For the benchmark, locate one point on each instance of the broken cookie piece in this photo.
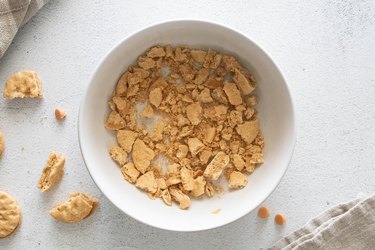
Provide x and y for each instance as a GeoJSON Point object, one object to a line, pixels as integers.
{"type": "Point", "coordinates": [156, 52]}
{"type": "Point", "coordinates": [147, 182]}
{"type": "Point", "coordinates": [126, 139]}
{"type": "Point", "coordinates": [23, 84]}
{"type": "Point", "coordinates": [155, 97]}
{"type": "Point", "coordinates": [242, 82]}
{"type": "Point", "coordinates": [232, 93]}
{"type": "Point", "coordinates": [237, 180]}
{"type": "Point", "coordinates": [129, 172]}
{"type": "Point", "coordinates": [199, 186]}
{"type": "Point", "coordinates": [142, 155]}
{"type": "Point", "coordinates": [182, 151]}
{"type": "Point", "coordinates": [195, 146]}
{"type": "Point", "coordinates": [187, 178]}
{"type": "Point", "coordinates": [198, 55]}
{"type": "Point", "coordinates": [238, 162]}
{"type": "Point", "coordinates": [248, 130]}
{"type": "Point", "coordinates": [148, 111]}
{"type": "Point", "coordinates": [193, 112]}
{"type": "Point", "coordinates": [119, 155]}
{"type": "Point", "coordinates": [216, 166]}
{"type": "Point", "coordinates": [156, 133]}
{"type": "Point", "coordinates": [180, 197]}
{"type": "Point", "coordinates": [166, 196]}
{"type": "Point", "coordinates": [77, 208]}
{"type": "Point", "coordinates": [115, 121]}
{"type": "Point", "coordinates": [53, 171]}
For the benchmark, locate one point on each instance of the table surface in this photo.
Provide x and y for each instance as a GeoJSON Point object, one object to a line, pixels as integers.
{"type": "Point", "coordinates": [325, 49]}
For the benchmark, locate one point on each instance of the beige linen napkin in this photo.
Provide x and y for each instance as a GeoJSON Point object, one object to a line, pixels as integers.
{"type": "Point", "coordinates": [346, 226]}
{"type": "Point", "coordinates": [14, 14]}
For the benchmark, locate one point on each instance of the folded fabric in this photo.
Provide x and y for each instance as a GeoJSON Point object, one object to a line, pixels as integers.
{"type": "Point", "coordinates": [14, 14]}
{"type": "Point", "coordinates": [346, 226]}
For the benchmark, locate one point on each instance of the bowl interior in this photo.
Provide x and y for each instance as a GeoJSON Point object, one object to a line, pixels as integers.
{"type": "Point", "coordinates": [275, 111]}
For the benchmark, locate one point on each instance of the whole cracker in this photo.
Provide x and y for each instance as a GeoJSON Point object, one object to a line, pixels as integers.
{"type": "Point", "coordinates": [10, 214]}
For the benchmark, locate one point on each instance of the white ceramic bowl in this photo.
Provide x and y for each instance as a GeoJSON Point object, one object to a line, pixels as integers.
{"type": "Point", "coordinates": [275, 111]}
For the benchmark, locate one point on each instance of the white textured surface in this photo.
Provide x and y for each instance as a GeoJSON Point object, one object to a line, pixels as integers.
{"type": "Point", "coordinates": [324, 48]}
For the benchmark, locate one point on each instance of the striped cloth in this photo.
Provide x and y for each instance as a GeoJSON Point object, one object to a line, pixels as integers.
{"type": "Point", "coordinates": [14, 14]}
{"type": "Point", "coordinates": [346, 226]}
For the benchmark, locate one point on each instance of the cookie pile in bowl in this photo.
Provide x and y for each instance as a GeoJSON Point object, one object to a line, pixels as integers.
{"type": "Point", "coordinates": [184, 118]}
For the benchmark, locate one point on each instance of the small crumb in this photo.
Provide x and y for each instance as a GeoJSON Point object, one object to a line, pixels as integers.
{"type": "Point", "coordinates": [280, 219]}
{"type": "Point", "coordinates": [263, 212]}
{"type": "Point", "coordinates": [217, 211]}
{"type": "Point", "coordinates": [60, 114]}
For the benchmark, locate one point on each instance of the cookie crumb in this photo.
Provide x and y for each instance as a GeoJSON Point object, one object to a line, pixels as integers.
{"type": "Point", "coordinates": [60, 114]}
{"type": "Point", "coordinates": [263, 212]}
{"type": "Point", "coordinates": [280, 219]}
{"type": "Point", "coordinates": [217, 211]}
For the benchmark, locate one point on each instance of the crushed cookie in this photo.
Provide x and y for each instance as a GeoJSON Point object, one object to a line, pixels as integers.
{"type": "Point", "coordinates": [198, 117]}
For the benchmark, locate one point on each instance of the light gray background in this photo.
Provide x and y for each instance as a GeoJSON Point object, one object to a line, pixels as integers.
{"type": "Point", "coordinates": [325, 49]}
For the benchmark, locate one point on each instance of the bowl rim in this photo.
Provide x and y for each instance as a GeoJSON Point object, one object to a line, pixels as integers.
{"type": "Point", "coordinates": [169, 21]}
